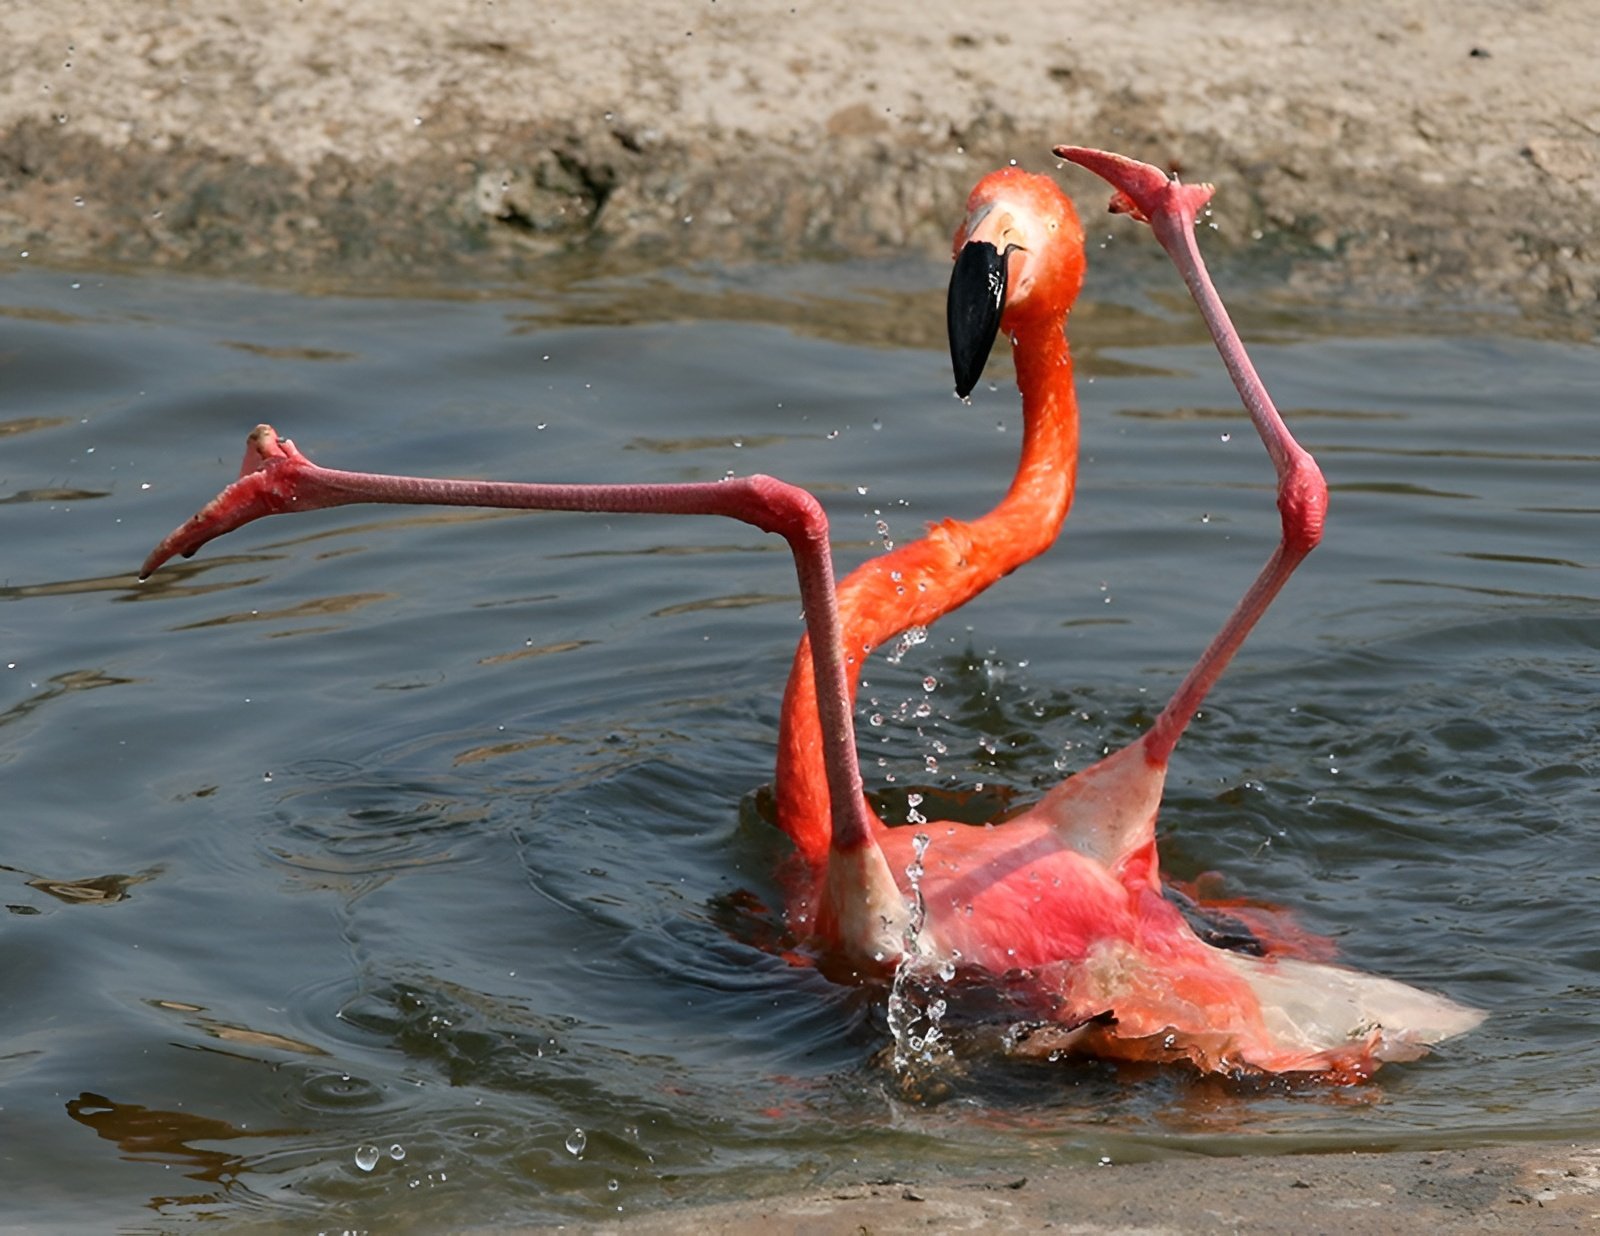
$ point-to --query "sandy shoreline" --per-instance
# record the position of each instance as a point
(1392, 151)
(1448, 151)
(1555, 1189)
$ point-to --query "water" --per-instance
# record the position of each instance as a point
(438, 830)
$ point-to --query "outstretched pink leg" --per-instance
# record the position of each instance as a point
(275, 478)
(1170, 208)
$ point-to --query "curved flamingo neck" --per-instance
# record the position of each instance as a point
(917, 583)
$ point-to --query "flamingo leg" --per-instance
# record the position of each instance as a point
(276, 478)
(1170, 208)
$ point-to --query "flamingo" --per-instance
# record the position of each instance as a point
(1064, 899)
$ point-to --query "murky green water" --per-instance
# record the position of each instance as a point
(435, 832)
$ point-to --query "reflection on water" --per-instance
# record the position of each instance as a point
(479, 858)
(167, 1138)
(91, 890)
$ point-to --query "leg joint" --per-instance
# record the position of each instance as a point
(1303, 504)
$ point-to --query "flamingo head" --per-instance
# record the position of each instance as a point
(1019, 257)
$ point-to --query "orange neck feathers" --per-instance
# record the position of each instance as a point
(917, 583)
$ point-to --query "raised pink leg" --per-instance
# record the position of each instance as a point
(1170, 208)
(276, 478)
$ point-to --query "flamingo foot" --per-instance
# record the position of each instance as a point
(1142, 190)
(270, 482)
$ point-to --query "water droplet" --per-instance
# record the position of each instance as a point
(366, 1157)
(1227, 437)
(947, 969)
(576, 1141)
(908, 640)
(613, 1184)
(397, 1152)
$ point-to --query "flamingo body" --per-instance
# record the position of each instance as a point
(1066, 900)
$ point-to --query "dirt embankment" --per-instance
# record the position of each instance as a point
(1547, 1191)
(1393, 148)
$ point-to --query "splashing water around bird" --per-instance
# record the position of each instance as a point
(916, 1005)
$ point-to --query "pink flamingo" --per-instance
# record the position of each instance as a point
(1065, 897)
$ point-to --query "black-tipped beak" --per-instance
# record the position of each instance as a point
(972, 311)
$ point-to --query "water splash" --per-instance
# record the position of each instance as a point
(909, 639)
(915, 1005)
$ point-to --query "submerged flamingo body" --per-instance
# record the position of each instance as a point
(1107, 955)
(1065, 900)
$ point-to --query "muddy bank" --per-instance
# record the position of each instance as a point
(1529, 1189)
(1392, 150)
